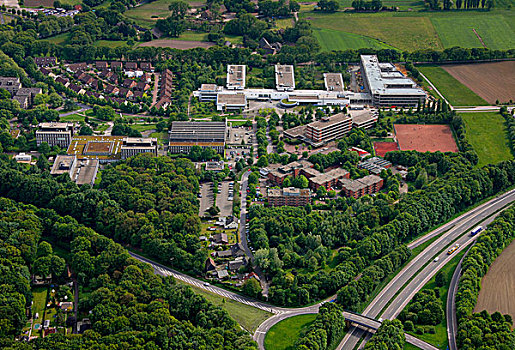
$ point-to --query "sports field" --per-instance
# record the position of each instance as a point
(455, 92)
(491, 81)
(488, 136)
(381, 148)
(330, 39)
(498, 286)
(425, 138)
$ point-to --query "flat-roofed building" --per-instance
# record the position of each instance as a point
(11, 84)
(329, 128)
(23, 158)
(25, 96)
(333, 81)
(236, 75)
(209, 92)
(329, 179)
(284, 78)
(364, 118)
(136, 145)
(276, 176)
(388, 86)
(375, 165)
(231, 102)
(55, 134)
(81, 171)
(64, 164)
(291, 196)
(184, 135)
(369, 184)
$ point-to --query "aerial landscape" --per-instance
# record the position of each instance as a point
(257, 174)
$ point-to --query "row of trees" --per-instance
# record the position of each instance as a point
(326, 331)
(389, 336)
(476, 330)
(510, 126)
(460, 4)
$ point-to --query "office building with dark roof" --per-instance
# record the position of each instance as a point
(184, 135)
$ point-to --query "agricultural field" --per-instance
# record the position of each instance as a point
(487, 134)
(494, 31)
(498, 285)
(491, 81)
(330, 39)
(283, 335)
(411, 30)
(405, 33)
(456, 93)
(177, 44)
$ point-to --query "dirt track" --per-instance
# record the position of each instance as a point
(425, 138)
(498, 286)
(491, 81)
(178, 44)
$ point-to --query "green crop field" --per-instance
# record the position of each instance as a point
(283, 335)
(487, 133)
(455, 92)
(405, 33)
(494, 30)
(331, 39)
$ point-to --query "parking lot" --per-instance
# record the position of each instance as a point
(206, 201)
(224, 198)
(237, 135)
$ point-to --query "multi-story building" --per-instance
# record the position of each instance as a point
(369, 184)
(277, 176)
(364, 119)
(236, 77)
(290, 196)
(25, 96)
(328, 180)
(231, 102)
(333, 82)
(55, 134)
(81, 171)
(10, 84)
(329, 128)
(136, 145)
(284, 78)
(388, 86)
(184, 135)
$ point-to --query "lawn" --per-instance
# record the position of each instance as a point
(487, 133)
(143, 127)
(439, 339)
(161, 136)
(247, 316)
(283, 335)
(72, 118)
(58, 39)
(39, 297)
(110, 43)
(330, 39)
(455, 92)
(147, 14)
(458, 31)
(403, 32)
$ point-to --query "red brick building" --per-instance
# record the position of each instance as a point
(290, 196)
(358, 188)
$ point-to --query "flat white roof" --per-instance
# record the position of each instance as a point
(333, 81)
(236, 76)
(284, 77)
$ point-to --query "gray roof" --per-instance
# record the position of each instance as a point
(198, 131)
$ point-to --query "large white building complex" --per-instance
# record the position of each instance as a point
(384, 86)
(388, 86)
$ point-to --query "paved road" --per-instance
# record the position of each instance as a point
(452, 231)
(450, 312)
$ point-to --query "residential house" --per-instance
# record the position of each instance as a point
(220, 238)
(76, 88)
(111, 89)
(116, 65)
(100, 65)
(129, 84)
(210, 265)
(75, 67)
(146, 67)
(141, 86)
(45, 61)
(63, 81)
(131, 65)
(125, 93)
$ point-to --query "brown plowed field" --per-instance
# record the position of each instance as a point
(491, 81)
(498, 285)
(425, 138)
(38, 3)
(178, 44)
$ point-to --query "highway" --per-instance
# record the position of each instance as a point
(451, 231)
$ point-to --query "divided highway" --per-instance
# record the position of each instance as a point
(456, 230)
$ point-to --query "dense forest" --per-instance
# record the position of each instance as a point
(128, 305)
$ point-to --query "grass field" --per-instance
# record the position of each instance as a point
(58, 39)
(405, 33)
(457, 31)
(455, 92)
(247, 316)
(147, 14)
(283, 335)
(487, 133)
(331, 39)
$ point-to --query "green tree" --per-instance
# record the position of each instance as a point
(252, 288)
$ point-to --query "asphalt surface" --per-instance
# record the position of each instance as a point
(450, 311)
(451, 231)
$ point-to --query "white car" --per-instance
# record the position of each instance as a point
(436, 259)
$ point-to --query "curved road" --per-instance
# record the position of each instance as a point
(453, 230)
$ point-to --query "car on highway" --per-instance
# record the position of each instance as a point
(453, 249)
(436, 259)
(207, 284)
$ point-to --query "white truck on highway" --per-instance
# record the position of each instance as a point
(476, 230)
